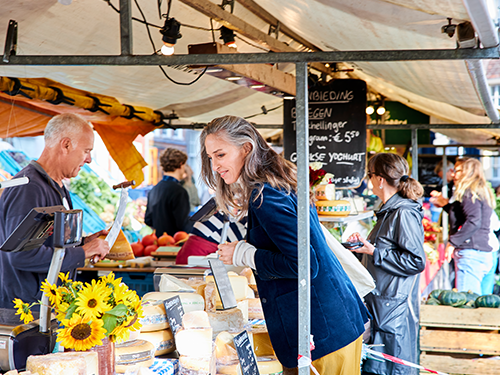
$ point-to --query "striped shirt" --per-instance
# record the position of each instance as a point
(212, 228)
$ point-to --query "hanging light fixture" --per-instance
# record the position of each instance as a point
(170, 32)
(370, 110)
(227, 35)
(381, 110)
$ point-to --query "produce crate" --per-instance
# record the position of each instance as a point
(141, 282)
(459, 340)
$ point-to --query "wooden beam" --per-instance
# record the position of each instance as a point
(237, 24)
(263, 14)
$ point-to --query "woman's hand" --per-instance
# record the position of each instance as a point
(226, 252)
(367, 247)
(437, 199)
(448, 252)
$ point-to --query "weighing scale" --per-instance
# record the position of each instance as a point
(17, 343)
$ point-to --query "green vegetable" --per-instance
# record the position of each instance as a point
(489, 300)
(93, 191)
(452, 298)
(432, 301)
(471, 296)
(435, 293)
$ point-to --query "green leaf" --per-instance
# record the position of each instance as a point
(118, 310)
(71, 310)
(109, 322)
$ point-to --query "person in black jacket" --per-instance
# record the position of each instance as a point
(168, 202)
(470, 211)
(394, 255)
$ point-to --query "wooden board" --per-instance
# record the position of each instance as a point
(455, 365)
(453, 317)
(455, 341)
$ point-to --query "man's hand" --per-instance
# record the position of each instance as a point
(92, 237)
(437, 199)
(367, 247)
(95, 247)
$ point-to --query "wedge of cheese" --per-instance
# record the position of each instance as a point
(194, 342)
(230, 320)
(190, 301)
(195, 319)
(239, 285)
(121, 249)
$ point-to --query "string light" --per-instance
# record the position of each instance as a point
(170, 32)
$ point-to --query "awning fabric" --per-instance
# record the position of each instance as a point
(21, 116)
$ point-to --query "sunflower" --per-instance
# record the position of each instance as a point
(64, 278)
(80, 333)
(23, 309)
(91, 301)
(120, 334)
(124, 295)
(61, 309)
(110, 281)
(50, 290)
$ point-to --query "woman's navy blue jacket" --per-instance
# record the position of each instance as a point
(337, 313)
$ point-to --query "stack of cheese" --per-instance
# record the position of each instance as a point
(15, 372)
(134, 354)
(194, 344)
(67, 363)
(227, 357)
(155, 327)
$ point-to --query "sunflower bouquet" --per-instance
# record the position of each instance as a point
(89, 313)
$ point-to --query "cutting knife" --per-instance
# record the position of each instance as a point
(120, 215)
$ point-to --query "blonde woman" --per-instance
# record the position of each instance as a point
(470, 217)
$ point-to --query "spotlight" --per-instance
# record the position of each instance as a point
(370, 110)
(170, 32)
(380, 110)
(227, 35)
(449, 29)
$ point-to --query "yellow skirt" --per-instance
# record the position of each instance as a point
(345, 361)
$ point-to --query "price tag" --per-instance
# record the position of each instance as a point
(175, 312)
(223, 284)
(246, 356)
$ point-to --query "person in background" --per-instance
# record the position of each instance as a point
(394, 255)
(168, 202)
(206, 236)
(189, 184)
(470, 210)
(448, 178)
(69, 139)
(249, 176)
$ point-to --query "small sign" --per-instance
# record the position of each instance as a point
(246, 356)
(223, 284)
(175, 312)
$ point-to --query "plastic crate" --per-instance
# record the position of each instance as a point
(91, 221)
(141, 282)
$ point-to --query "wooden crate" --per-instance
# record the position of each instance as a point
(460, 341)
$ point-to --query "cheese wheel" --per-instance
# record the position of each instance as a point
(190, 301)
(194, 342)
(163, 341)
(266, 365)
(333, 208)
(121, 249)
(262, 344)
(56, 364)
(325, 192)
(255, 309)
(155, 316)
(132, 354)
(195, 319)
(225, 352)
(230, 320)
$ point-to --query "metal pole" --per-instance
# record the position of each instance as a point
(303, 214)
(414, 153)
(446, 194)
(125, 27)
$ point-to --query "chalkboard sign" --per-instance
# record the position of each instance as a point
(337, 130)
(223, 284)
(246, 355)
(175, 312)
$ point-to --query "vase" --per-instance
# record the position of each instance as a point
(106, 356)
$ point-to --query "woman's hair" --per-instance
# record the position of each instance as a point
(262, 165)
(172, 159)
(392, 168)
(472, 179)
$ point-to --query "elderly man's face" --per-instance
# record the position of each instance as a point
(79, 154)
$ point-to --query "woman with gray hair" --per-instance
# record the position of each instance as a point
(249, 176)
